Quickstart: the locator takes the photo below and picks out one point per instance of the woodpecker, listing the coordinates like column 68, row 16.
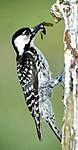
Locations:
column 35, row 77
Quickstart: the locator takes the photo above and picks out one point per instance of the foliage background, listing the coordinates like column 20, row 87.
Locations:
column 17, row 130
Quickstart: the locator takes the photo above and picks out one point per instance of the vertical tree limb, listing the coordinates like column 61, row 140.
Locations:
column 68, row 10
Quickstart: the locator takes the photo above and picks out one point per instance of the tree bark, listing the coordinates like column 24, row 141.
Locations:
column 68, row 10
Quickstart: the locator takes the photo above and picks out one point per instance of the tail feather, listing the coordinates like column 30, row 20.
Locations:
column 38, row 128
column 55, row 130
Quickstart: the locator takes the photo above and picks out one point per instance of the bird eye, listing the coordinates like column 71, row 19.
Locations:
column 26, row 32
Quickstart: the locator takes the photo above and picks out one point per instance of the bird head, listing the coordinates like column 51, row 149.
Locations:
column 25, row 36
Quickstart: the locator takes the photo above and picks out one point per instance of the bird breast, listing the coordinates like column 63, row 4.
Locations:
column 44, row 76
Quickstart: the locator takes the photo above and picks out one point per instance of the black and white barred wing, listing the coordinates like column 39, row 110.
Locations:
column 29, row 80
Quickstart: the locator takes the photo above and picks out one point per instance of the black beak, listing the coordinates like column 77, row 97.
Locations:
column 38, row 27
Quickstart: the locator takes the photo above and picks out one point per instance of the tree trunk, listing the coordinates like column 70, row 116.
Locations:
column 68, row 10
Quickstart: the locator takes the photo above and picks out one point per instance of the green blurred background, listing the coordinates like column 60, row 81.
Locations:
column 17, row 129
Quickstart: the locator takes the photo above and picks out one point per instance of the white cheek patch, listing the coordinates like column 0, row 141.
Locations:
column 20, row 43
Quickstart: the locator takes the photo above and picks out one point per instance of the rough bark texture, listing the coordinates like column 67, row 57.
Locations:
column 68, row 10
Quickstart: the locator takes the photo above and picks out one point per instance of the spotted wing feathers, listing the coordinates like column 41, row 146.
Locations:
column 27, row 73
